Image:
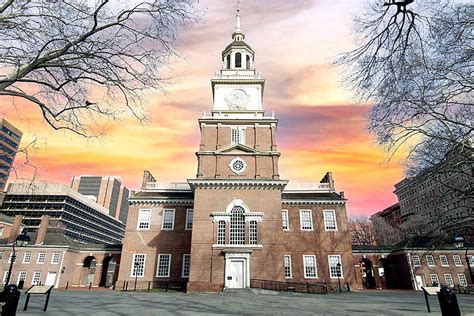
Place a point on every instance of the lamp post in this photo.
(459, 243)
(21, 241)
(136, 266)
(338, 265)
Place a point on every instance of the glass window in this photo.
(284, 219)
(306, 220)
(434, 279)
(5, 276)
(238, 60)
(144, 217)
(36, 278)
(335, 270)
(457, 260)
(430, 261)
(449, 279)
(22, 276)
(237, 135)
(138, 265)
(189, 219)
(310, 271)
(41, 258)
(221, 233)
(168, 219)
(288, 272)
(164, 262)
(330, 220)
(462, 279)
(56, 258)
(416, 261)
(237, 226)
(253, 236)
(444, 260)
(186, 266)
(470, 258)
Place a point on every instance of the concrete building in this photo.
(10, 138)
(77, 216)
(237, 222)
(107, 191)
(52, 258)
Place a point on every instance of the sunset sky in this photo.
(322, 125)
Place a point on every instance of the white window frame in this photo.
(144, 219)
(189, 219)
(416, 261)
(446, 280)
(315, 267)
(5, 275)
(339, 260)
(333, 214)
(237, 135)
(303, 211)
(442, 258)
(164, 217)
(285, 220)
(36, 273)
(221, 232)
(56, 255)
(470, 259)
(253, 232)
(183, 274)
(10, 257)
(287, 259)
(132, 270)
(39, 256)
(436, 279)
(433, 264)
(30, 257)
(457, 261)
(462, 279)
(19, 276)
(158, 265)
(1, 255)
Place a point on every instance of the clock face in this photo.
(237, 99)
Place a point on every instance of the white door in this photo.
(419, 282)
(50, 278)
(236, 275)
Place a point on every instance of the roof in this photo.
(164, 194)
(389, 210)
(238, 44)
(311, 196)
(6, 219)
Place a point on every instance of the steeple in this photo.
(238, 35)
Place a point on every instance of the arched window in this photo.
(248, 61)
(228, 62)
(237, 226)
(238, 60)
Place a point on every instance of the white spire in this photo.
(237, 27)
(238, 35)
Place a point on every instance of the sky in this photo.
(322, 125)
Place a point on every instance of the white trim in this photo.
(441, 261)
(285, 211)
(333, 213)
(290, 266)
(38, 258)
(163, 218)
(459, 263)
(59, 258)
(237, 159)
(418, 263)
(144, 219)
(187, 219)
(158, 265)
(219, 246)
(315, 267)
(437, 278)
(237, 257)
(450, 276)
(24, 256)
(464, 281)
(310, 217)
(237, 202)
(427, 261)
(189, 266)
(19, 275)
(339, 260)
(33, 278)
(133, 265)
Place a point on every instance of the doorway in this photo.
(237, 267)
(50, 279)
(419, 282)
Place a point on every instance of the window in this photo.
(164, 262)
(306, 220)
(237, 135)
(444, 260)
(138, 265)
(5, 276)
(11, 257)
(221, 233)
(253, 236)
(238, 60)
(189, 218)
(36, 278)
(310, 271)
(27, 257)
(470, 258)
(56, 257)
(247, 59)
(449, 279)
(237, 226)
(457, 261)
(335, 270)
(416, 261)
(144, 217)
(284, 219)
(228, 62)
(288, 272)
(41, 258)
(330, 220)
(434, 279)
(22, 276)
(168, 219)
(1, 255)
(462, 279)
(186, 266)
(430, 261)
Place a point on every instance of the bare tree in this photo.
(362, 231)
(79, 60)
(414, 63)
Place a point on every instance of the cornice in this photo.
(312, 201)
(239, 183)
(160, 201)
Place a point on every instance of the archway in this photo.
(89, 267)
(108, 271)
(369, 274)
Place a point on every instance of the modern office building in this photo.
(107, 191)
(78, 216)
(237, 224)
(10, 138)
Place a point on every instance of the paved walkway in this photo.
(240, 303)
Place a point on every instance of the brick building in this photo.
(52, 258)
(237, 220)
(10, 138)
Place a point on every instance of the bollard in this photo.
(126, 286)
(90, 285)
(123, 287)
(348, 287)
(113, 285)
(307, 287)
(149, 286)
(67, 284)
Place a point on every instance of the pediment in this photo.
(237, 148)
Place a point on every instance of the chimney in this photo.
(43, 227)
(342, 194)
(147, 177)
(16, 228)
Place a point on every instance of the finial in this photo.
(237, 27)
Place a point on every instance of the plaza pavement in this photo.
(236, 303)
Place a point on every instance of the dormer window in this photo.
(238, 60)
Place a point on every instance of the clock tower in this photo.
(237, 180)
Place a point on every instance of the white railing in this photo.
(181, 186)
(315, 186)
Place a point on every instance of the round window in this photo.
(237, 165)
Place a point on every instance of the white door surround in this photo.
(50, 279)
(237, 269)
(419, 282)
